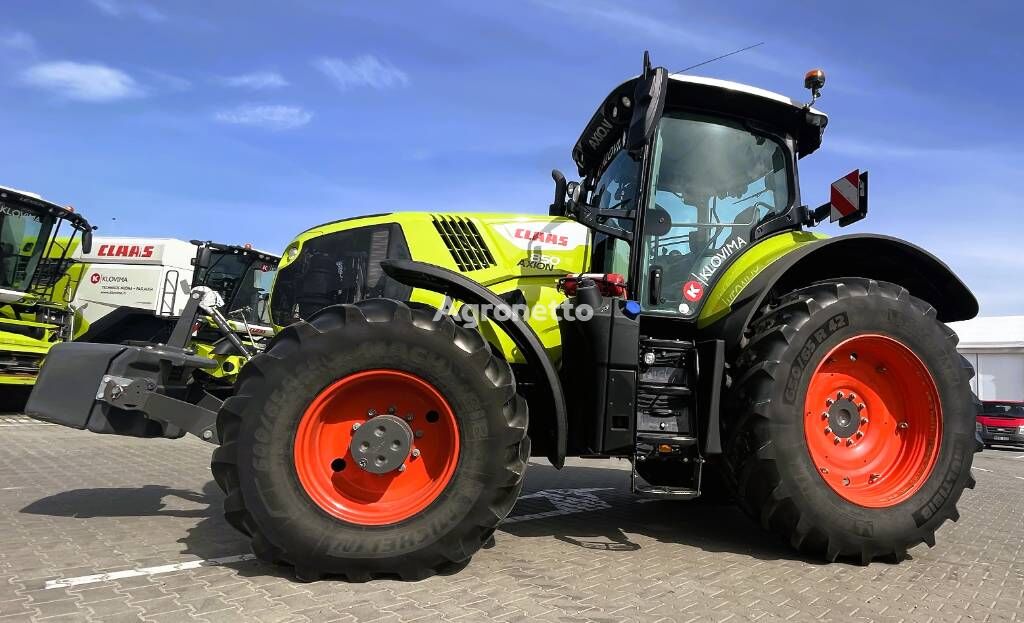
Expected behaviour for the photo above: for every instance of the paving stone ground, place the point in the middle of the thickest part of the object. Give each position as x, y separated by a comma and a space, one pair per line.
577, 547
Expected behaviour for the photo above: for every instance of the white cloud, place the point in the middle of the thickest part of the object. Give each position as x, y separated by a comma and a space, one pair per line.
18, 41
366, 70
269, 116
120, 8
256, 80
82, 81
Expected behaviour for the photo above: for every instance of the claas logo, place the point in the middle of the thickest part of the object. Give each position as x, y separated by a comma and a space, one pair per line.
125, 250
542, 236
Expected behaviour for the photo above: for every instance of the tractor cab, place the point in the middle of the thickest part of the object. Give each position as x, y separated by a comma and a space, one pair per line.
679, 174
35, 247
241, 275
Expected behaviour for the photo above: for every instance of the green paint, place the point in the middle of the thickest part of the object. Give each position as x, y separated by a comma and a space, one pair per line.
746, 267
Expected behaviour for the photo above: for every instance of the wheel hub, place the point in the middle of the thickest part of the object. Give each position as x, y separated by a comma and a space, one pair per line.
382, 444
844, 418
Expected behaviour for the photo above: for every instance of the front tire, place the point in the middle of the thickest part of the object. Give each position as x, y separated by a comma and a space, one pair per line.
311, 493
851, 431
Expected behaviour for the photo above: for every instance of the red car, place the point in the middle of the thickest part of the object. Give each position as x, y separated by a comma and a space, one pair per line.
1001, 423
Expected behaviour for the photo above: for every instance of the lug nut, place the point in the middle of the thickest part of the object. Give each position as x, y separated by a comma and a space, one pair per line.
839, 395
408, 417
401, 467
904, 426
829, 402
823, 470
846, 481
824, 415
852, 397
391, 410
415, 452
836, 440
362, 463
860, 434
873, 477
863, 420
355, 426
853, 356
371, 413
828, 430
861, 406
419, 434
849, 442
881, 369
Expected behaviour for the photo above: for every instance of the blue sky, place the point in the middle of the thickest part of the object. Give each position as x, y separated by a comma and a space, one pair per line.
250, 121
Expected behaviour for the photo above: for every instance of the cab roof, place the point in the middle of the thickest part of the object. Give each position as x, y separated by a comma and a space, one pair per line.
762, 107
35, 202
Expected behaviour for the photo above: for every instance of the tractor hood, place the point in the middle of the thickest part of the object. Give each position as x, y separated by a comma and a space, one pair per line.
766, 109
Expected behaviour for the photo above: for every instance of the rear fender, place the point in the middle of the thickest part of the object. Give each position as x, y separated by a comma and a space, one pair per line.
450, 283
869, 256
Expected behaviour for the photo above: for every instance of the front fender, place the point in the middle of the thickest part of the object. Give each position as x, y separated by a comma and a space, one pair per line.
450, 283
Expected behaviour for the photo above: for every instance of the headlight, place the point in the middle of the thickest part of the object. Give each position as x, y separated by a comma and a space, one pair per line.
977, 426
1020, 429
292, 252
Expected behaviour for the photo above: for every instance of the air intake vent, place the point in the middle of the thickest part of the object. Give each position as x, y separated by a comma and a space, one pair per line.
464, 243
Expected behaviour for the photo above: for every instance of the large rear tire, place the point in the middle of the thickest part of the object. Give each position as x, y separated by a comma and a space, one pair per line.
312, 493
851, 425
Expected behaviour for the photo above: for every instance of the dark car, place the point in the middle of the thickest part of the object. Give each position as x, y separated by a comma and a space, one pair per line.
1001, 423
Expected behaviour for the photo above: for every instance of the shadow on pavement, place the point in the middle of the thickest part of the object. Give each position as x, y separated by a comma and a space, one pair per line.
209, 537
711, 527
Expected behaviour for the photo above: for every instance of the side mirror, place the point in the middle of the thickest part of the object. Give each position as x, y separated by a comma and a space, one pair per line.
204, 257
557, 207
87, 241
574, 191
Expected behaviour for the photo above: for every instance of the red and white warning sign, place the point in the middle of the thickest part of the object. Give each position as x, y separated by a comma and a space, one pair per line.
845, 198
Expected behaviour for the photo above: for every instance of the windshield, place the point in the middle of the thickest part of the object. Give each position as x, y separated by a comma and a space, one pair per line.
713, 182
23, 236
1002, 409
243, 281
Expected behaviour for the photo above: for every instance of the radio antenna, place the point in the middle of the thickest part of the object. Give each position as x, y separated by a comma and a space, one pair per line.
718, 58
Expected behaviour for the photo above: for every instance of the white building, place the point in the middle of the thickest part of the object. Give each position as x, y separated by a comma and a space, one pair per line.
995, 347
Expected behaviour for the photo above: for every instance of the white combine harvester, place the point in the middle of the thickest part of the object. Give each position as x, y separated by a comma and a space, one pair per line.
134, 288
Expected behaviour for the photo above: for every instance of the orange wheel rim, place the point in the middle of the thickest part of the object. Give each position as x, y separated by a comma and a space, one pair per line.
332, 458
873, 421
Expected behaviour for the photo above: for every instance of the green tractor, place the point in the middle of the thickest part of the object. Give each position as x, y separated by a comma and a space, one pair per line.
672, 309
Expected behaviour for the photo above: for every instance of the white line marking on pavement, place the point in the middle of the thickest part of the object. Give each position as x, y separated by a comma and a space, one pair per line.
1019, 477
21, 420
981, 469
1019, 457
131, 573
